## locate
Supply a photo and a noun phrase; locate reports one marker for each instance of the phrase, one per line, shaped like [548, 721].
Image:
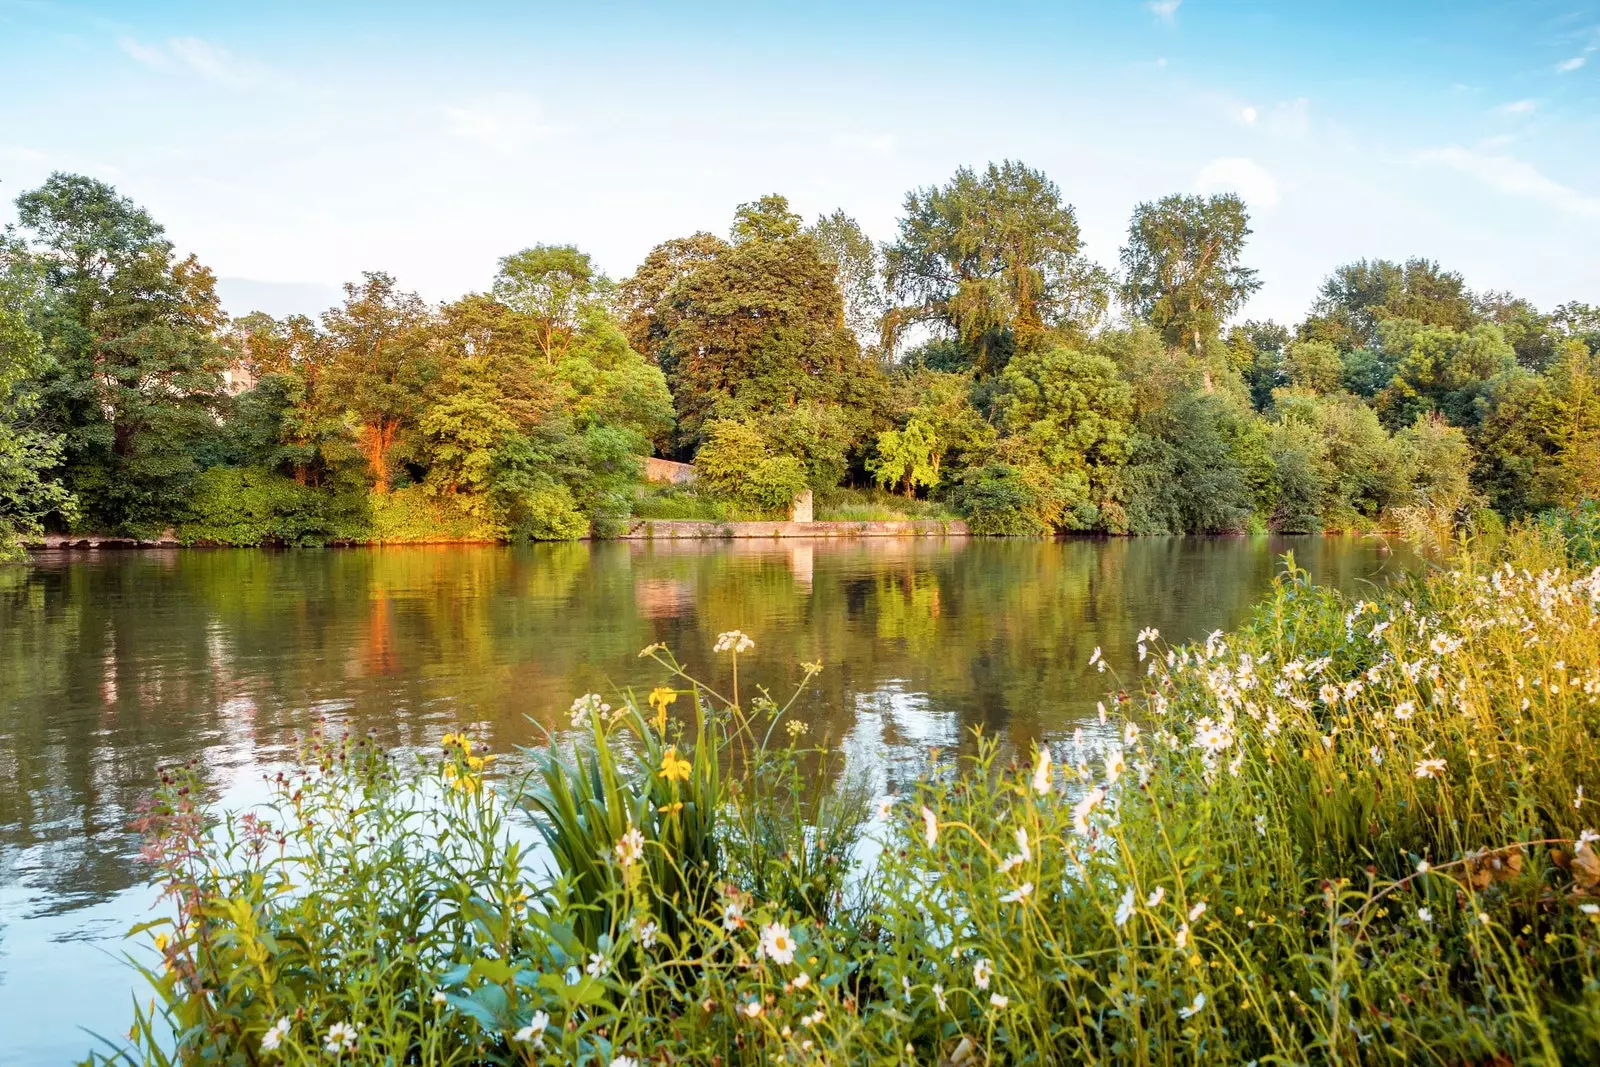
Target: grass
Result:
[871, 505]
[1349, 832]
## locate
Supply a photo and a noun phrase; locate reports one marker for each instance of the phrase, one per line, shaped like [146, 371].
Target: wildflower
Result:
[440, 997]
[752, 1008]
[1423, 866]
[884, 806]
[1082, 809]
[1041, 771]
[982, 971]
[999, 1000]
[1587, 837]
[1196, 1006]
[1130, 734]
[1115, 765]
[674, 768]
[777, 943]
[938, 996]
[1404, 710]
[533, 1033]
[1149, 633]
[1009, 864]
[1577, 801]
[1589, 909]
[1328, 694]
[930, 826]
[1125, 907]
[630, 847]
[1198, 910]
[660, 697]
[1095, 656]
[1483, 917]
[813, 1019]
[1100, 707]
[1430, 768]
[1022, 844]
[734, 641]
[1425, 915]
[1156, 897]
[587, 705]
[1180, 940]
[275, 1035]
[597, 966]
[1019, 894]
[647, 934]
[1211, 737]
[801, 980]
[732, 916]
[796, 728]
[1261, 825]
[341, 1038]
[624, 1061]
[650, 650]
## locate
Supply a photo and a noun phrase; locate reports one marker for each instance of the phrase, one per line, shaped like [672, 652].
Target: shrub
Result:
[413, 514]
[250, 506]
[997, 501]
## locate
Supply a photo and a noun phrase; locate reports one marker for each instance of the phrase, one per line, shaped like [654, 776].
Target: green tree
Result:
[1181, 266]
[1439, 369]
[557, 291]
[908, 458]
[132, 380]
[1313, 365]
[991, 259]
[1357, 297]
[858, 271]
[377, 375]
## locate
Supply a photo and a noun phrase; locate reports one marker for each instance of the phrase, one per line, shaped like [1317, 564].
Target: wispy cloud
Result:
[1567, 66]
[1517, 107]
[1515, 177]
[1236, 174]
[1165, 10]
[505, 122]
[194, 55]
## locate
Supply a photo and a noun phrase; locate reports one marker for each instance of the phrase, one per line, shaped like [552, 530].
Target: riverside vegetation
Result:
[976, 364]
[1353, 831]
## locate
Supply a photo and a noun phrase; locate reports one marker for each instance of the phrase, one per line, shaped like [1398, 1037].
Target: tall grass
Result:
[1349, 832]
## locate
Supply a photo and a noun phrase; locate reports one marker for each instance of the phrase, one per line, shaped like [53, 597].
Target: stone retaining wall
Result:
[678, 529]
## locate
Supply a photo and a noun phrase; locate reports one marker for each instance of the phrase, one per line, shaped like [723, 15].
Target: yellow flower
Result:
[673, 767]
[660, 697]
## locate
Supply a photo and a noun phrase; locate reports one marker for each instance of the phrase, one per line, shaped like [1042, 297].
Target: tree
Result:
[857, 270]
[749, 329]
[379, 370]
[557, 290]
[132, 379]
[1181, 266]
[1439, 369]
[991, 259]
[1313, 365]
[908, 457]
[1357, 297]
[29, 456]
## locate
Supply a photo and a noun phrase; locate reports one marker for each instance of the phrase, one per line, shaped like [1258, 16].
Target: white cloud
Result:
[1165, 10]
[1235, 174]
[1290, 119]
[1517, 107]
[505, 122]
[1249, 115]
[1567, 66]
[1515, 177]
[193, 55]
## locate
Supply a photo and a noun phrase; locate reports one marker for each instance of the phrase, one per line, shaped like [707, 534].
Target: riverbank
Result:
[636, 530]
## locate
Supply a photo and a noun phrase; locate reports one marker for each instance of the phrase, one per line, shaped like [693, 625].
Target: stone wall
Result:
[668, 470]
[678, 529]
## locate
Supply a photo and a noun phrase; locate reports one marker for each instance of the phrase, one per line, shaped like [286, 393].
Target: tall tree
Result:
[1357, 297]
[857, 270]
[1181, 266]
[129, 330]
[991, 259]
[380, 366]
[558, 291]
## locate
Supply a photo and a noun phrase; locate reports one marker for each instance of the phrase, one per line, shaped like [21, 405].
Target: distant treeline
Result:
[978, 358]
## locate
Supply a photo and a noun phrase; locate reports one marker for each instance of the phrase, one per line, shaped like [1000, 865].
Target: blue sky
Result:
[292, 146]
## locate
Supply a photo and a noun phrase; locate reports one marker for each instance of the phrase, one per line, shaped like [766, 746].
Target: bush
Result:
[413, 514]
[245, 506]
[996, 501]
[737, 462]
[1349, 832]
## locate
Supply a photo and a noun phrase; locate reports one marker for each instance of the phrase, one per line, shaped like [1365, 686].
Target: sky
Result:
[293, 146]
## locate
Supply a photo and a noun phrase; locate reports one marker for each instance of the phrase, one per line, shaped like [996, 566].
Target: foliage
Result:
[737, 461]
[1182, 269]
[251, 506]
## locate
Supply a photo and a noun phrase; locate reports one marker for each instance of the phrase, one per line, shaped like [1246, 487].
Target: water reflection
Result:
[113, 663]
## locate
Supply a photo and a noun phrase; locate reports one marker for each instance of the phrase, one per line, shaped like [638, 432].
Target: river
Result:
[112, 663]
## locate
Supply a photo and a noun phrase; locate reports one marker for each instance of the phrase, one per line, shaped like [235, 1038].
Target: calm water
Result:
[113, 663]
